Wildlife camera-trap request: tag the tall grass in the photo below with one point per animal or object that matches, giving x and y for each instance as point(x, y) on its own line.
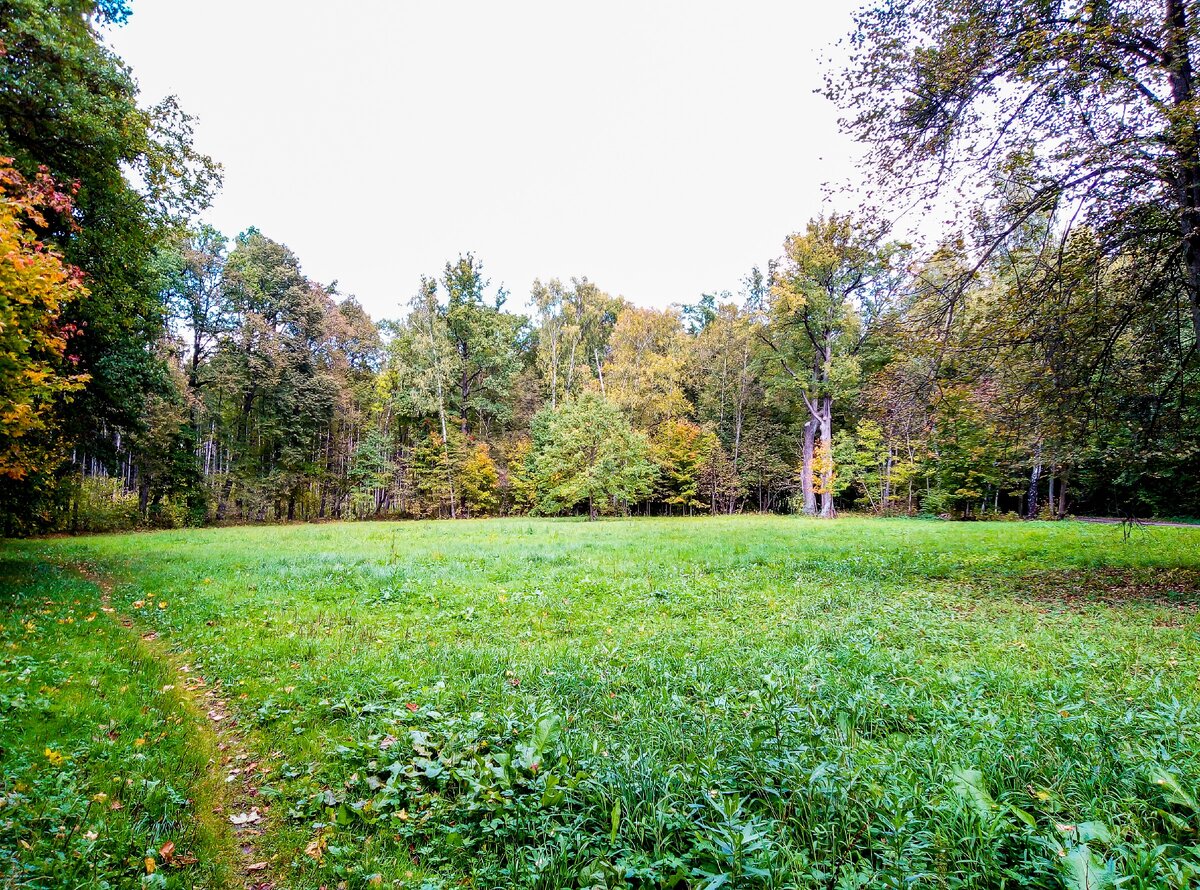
point(749, 702)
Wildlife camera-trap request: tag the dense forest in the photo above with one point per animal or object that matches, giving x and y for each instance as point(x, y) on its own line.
point(1037, 359)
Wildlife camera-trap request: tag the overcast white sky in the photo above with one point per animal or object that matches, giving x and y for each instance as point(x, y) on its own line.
point(660, 147)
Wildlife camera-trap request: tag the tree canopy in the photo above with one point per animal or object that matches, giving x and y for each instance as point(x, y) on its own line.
point(1036, 357)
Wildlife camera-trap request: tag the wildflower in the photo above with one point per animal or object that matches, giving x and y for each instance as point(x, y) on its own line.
point(56, 758)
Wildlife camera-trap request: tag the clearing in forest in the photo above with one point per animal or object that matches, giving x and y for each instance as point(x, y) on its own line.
point(743, 702)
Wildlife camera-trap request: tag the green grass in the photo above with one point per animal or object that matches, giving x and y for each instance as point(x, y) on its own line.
point(102, 763)
point(742, 702)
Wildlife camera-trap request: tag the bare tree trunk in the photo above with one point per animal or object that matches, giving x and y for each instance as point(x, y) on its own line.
point(437, 376)
point(143, 497)
point(738, 422)
point(554, 368)
point(571, 367)
point(1060, 511)
point(887, 479)
point(1035, 475)
point(806, 468)
point(223, 497)
point(826, 420)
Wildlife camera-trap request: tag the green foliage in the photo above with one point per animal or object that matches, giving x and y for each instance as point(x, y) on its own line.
point(1040, 360)
point(1092, 105)
point(586, 452)
point(68, 106)
point(681, 450)
point(102, 504)
point(435, 465)
point(646, 368)
point(574, 325)
point(486, 343)
point(370, 474)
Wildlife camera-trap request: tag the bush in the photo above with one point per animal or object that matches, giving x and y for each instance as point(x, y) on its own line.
point(103, 505)
point(936, 501)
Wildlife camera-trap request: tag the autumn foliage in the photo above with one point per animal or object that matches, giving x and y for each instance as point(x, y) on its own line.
point(35, 285)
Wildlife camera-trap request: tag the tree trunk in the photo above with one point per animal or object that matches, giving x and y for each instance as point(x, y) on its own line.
point(826, 409)
point(571, 368)
point(591, 509)
point(223, 497)
point(887, 479)
point(1035, 476)
point(1060, 511)
point(554, 367)
point(806, 469)
point(143, 497)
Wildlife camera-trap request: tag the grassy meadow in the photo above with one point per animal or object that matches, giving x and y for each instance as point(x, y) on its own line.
point(721, 702)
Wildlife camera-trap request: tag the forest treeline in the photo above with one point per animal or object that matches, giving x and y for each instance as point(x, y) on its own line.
point(1038, 360)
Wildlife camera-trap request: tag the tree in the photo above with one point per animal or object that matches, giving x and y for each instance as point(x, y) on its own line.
point(725, 373)
point(436, 466)
point(1098, 98)
point(193, 268)
point(833, 286)
point(370, 474)
point(573, 329)
point(36, 286)
point(584, 451)
point(280, 374)
point(67, 104)
point(681, 449)
point(423, 362)
point(719, 486)
point(645, 372)
point(487, 342)
point(480, 481)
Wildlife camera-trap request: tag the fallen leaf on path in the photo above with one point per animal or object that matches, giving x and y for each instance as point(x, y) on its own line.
point(245, 818)
point(316, 848)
